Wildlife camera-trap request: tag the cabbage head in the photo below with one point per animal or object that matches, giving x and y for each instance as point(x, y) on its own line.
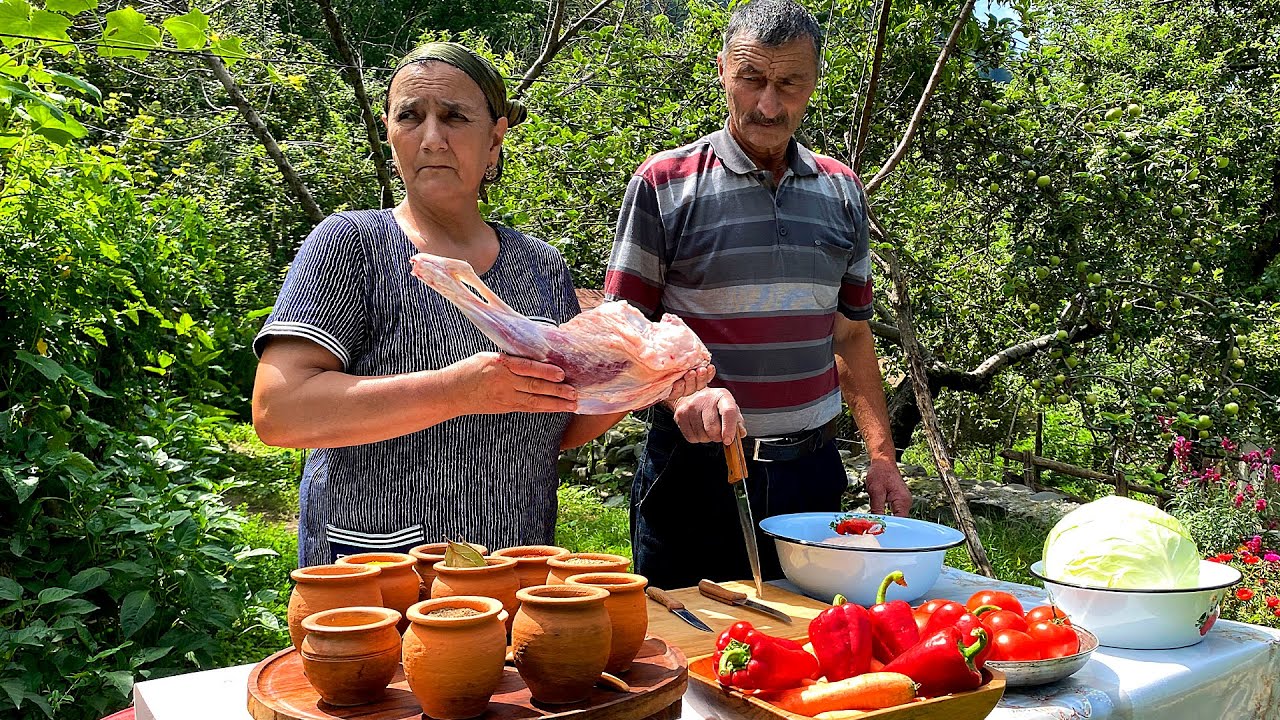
point(1116, 542)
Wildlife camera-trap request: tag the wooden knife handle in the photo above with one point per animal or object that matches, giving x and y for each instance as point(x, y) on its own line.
point(736, 459)
point(663, 599)
point(717, 592)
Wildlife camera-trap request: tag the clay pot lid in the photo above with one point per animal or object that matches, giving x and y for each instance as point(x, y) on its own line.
point(491, 564)
point(335, 573)
point(551, 595)
point(434, 552)
point(610, 581)
point(529, 554)
point(350, 620)
point(565, 561)
point(485, 607)
point(380, 559)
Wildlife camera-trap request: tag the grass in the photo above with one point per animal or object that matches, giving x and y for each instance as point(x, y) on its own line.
point(586, 524)
point(1011, 548)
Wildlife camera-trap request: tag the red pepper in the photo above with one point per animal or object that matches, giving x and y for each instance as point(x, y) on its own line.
point(852, 525)
point(841, 638)
point(750, 660)
point(893, 626)
point(954, 615)
point(943, 663)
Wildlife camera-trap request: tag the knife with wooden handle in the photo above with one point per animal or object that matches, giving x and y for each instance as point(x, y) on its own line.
point(733, 597)
point(676, 607)
point(736, 461)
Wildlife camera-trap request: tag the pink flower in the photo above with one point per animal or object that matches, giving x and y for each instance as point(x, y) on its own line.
point(1271, 557)
point(1268, 454)
point(1275, 473)
point(1228, 445)
point(1254, 544)
point(1260, 505)
point(1182, 451)
point(1239, 500)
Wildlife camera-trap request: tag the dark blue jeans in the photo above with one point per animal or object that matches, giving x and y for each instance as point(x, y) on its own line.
point(684, 519)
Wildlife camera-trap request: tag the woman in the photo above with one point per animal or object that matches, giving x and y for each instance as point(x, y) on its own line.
point(424, 432)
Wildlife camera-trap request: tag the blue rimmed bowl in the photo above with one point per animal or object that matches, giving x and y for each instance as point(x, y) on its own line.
point(823, 564)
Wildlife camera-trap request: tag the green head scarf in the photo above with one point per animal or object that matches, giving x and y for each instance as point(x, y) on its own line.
point(481, 71)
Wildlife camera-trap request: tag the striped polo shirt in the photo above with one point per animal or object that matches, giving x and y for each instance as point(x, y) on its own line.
point(757, 272)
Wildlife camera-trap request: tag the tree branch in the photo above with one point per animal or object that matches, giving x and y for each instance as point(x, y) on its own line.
point(260, 131)
point(555, 42)
point(917, 116)
point(864, 122)
point(355, 76)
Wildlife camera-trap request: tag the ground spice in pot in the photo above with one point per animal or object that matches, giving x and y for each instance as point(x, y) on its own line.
point(455, 612)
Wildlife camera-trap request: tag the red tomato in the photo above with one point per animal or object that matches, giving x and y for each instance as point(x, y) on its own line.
point(1055, 640)
point(1002, 600)
point(1047, 613)
point(998, 620)
point(1014, 645)
point(932, 606)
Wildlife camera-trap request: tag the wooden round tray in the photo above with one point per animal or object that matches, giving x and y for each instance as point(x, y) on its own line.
point(658, 678)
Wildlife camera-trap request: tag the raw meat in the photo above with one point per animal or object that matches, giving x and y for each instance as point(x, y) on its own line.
point(615, 358)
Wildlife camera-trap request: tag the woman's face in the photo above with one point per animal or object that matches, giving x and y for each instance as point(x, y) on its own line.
point(441, 133)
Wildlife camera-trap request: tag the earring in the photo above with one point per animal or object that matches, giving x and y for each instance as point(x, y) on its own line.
point(491, 173)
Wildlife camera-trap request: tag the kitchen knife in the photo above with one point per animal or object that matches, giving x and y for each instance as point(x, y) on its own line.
point(736, 460)
point(676, 607)
point(733, 597)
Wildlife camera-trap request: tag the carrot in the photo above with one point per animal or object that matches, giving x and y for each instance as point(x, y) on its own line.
point(839, 715)
point(869, 691)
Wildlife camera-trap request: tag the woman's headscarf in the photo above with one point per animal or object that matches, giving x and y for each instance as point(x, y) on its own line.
point(481, 71)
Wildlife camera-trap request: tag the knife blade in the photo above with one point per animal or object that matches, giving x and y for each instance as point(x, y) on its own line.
point(676, 607)
point(736, 461)
point(733, 597)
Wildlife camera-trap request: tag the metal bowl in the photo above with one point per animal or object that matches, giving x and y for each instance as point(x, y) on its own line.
point(1025, 673)
point(813, 557)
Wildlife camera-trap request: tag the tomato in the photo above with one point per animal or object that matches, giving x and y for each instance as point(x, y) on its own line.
point(1047, 613)
point(1015, 645)
point(932, 606)
point(1002, 600)
point(1055, 640)
point(998, 620)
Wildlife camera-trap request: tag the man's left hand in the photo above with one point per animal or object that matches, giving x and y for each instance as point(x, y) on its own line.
point(885, 485)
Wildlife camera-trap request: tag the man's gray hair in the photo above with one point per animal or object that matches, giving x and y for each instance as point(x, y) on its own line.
point(774, 23)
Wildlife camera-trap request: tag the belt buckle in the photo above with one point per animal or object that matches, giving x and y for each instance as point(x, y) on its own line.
point(756, 444)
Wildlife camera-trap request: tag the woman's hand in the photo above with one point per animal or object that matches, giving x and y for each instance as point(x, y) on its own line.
point(492, 383)
point(691, 382)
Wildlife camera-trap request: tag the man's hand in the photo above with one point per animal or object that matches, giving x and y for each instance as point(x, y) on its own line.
point(884, 483)
point(691, 382)
point(709, 415)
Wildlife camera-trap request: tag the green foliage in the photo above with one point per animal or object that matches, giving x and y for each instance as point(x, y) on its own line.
point(585, 524)
point(607, 463)
point(1011, 548)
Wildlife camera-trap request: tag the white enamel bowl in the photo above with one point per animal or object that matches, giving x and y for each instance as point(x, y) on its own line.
point(1145, 619)
point(822, 570)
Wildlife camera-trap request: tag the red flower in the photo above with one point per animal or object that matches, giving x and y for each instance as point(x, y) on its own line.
point(1244, 594)
point(1252, 560)
point(1276, 612)
point(1224, 558)
point(1273, 601)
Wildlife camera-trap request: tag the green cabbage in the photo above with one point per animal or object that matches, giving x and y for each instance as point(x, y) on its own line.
point(1116, 542)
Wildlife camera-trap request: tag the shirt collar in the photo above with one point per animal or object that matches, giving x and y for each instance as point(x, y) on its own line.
point(799, 158)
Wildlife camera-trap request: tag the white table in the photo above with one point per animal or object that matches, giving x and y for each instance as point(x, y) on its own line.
point(1233, 674)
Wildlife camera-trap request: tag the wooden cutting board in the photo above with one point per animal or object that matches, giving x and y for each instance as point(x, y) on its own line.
point(694, 642)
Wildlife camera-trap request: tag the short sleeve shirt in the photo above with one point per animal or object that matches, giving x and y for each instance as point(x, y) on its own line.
point(488, 478)
point(757, 272)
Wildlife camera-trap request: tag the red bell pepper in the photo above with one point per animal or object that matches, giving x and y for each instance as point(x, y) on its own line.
point(841, 638)
point(893, 626)
point(954, 615)
point(748, 659)
point(943, 663)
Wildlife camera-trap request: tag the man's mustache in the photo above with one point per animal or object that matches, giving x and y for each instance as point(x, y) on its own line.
point(758, 118)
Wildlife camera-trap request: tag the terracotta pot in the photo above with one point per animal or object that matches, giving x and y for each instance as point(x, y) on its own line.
point(628, 614)
point(496, 580)
point(453, 654)
point(531, 561)
point(398, 581)
point(560, 640)
point(427, 556)
point(324, 587)
point(560, 568)
point(350, 654)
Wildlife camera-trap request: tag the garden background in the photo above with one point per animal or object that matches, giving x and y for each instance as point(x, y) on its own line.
point(1084, 224)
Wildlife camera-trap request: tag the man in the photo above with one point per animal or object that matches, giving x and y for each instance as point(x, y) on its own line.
point(761, 246)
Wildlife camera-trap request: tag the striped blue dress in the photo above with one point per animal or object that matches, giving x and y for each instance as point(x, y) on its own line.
point(490, 479)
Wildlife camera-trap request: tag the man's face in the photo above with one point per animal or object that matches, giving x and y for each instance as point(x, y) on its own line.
point(768, 89)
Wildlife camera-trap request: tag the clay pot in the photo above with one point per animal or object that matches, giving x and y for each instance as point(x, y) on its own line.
point(497, 579)
point(398, 582)
point(560, 568)
point(427, 556)
point(324, 587)
point(628, 614)
point(350, 654)
point(531, 561)
point(453, 654)
point(560, 640)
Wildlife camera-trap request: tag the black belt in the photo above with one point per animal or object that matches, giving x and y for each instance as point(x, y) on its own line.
point(789, 447)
